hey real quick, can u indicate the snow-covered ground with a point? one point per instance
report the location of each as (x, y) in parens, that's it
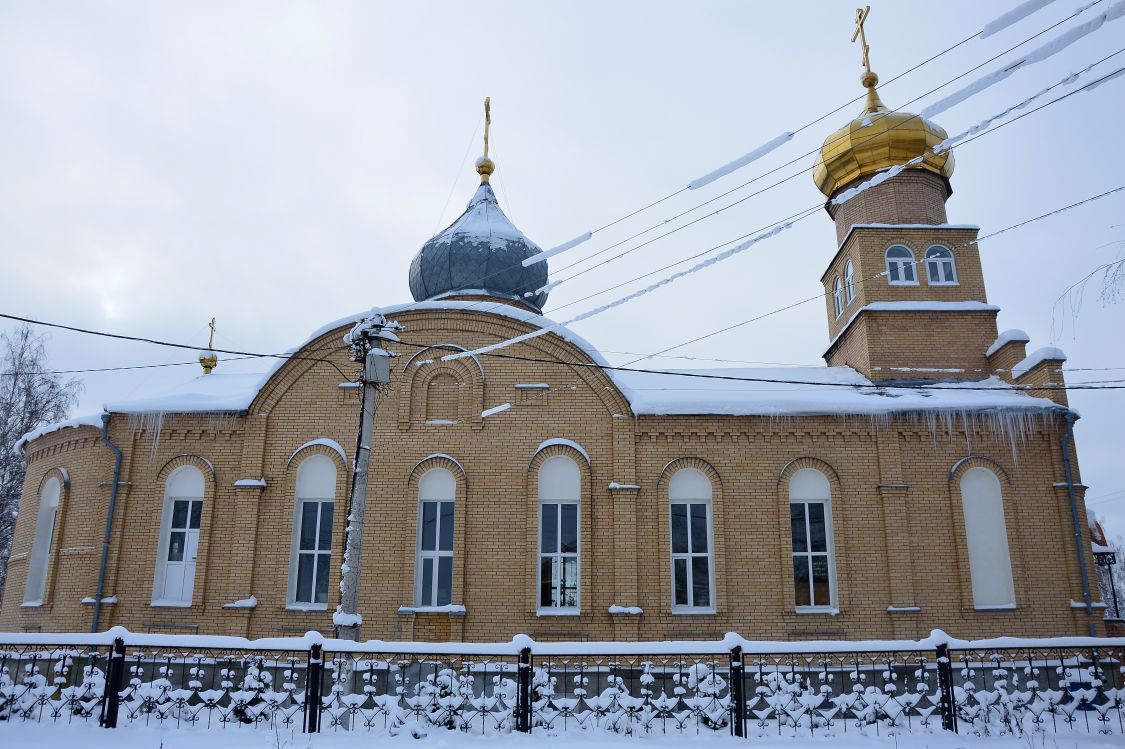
(19, 736)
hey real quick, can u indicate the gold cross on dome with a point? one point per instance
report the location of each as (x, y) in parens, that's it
(211, 340)
(860, 18)
(487, 123)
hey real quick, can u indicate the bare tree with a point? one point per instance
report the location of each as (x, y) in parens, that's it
(1069, 303)
(30, 397)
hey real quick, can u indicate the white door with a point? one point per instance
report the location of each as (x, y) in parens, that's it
(182, 547)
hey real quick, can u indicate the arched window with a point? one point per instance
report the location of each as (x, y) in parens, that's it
(838, 296)
(437, 492)
(693, 568)
(987, 538)
(311, 552)
(810, 517)
(179, 538)
(849, 280)
(900, 265)
(940, 266)
(41, 546)
(560, 486)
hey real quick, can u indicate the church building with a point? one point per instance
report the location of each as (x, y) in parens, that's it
(925, 478)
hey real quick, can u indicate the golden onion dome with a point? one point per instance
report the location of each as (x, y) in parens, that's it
(876, 140)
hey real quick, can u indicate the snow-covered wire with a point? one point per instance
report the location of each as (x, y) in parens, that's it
(726, 254)
(1013, 16)
(767, 173)
(1039, 54)
(843, 197)
(741, 161)
(556, 250)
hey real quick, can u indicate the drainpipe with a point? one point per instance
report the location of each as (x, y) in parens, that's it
(108, 522)
(1079, 547)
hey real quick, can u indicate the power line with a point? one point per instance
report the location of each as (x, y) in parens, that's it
(1058, 210)
(734, 250)
(169, 344)
(1095, 385)
(778, 168)
(818, 297)
(91, 370)
(807, 212)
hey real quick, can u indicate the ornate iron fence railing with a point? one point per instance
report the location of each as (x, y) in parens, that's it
(746, 688)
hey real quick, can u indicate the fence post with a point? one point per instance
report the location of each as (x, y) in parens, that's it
(114, 682)
(523, 692)
(313, 697)
(945, 687)
(737, 693)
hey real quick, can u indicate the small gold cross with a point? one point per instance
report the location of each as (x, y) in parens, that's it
(211, 340)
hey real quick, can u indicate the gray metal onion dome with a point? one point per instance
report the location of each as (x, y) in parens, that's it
(480, 252)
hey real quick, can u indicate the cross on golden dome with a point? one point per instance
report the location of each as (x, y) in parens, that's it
(860, 18)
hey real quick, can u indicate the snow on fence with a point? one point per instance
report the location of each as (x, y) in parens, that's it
(747, 688)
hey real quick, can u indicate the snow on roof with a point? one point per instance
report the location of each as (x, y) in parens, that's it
(1037, 357)
(205, 393)
(483, 223)
(814, 390)
(809, 392)
(1015, 334)
(89, 420)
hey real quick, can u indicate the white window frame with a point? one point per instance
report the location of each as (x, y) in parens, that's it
(945, 263)
(305, 494)
(545, 497)
(681, 493)
(990, 558)
(430, 491)
(901, 265)
(35, 586)
(849, 281)
(822, 495)
(838, 296)
(165, 527)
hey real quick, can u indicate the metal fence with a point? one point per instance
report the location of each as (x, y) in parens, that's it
(750, 689)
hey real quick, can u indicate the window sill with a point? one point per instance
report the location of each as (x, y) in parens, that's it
(944, 283)
(167, 604)
(452, 609)
(693, 611)
(38, 604)
(306, 607)
(996, 607)
(559, 612)
(903, 283)
(441, 422)
(813, 610)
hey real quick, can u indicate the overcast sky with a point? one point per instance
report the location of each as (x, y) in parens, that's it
(276, 165)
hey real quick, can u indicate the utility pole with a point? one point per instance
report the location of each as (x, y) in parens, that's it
(366, 341)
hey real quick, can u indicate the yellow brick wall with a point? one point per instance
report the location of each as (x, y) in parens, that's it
(897, 524)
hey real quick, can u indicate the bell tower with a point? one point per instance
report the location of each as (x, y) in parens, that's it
(904, 292)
